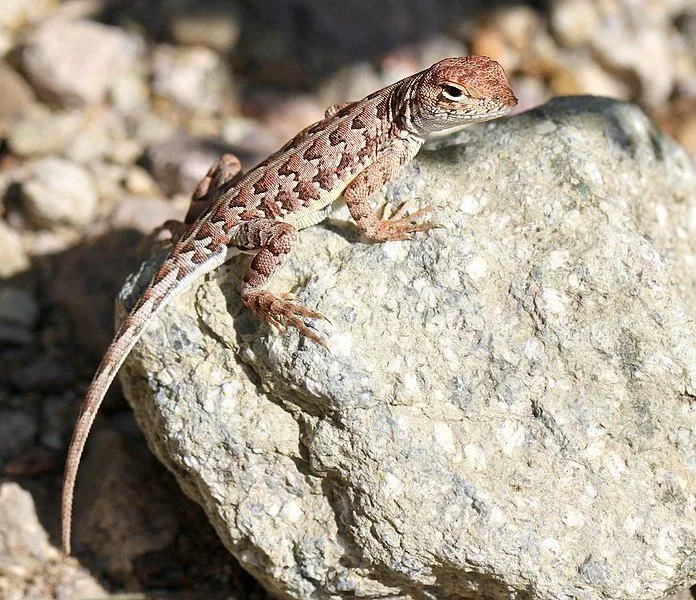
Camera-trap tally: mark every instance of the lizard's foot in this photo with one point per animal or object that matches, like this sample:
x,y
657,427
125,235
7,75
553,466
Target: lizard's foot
x,y
282,312
401,226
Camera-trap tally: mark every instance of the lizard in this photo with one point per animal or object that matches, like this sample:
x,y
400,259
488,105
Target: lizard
x,y
352,152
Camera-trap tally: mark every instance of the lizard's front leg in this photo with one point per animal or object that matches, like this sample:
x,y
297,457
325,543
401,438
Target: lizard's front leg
x,y
274,241
357,197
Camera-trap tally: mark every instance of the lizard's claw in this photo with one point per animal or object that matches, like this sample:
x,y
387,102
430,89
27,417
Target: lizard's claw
x,y
401,226
282,311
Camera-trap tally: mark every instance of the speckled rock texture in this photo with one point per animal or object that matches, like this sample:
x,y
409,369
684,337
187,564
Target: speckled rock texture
x,y
507,408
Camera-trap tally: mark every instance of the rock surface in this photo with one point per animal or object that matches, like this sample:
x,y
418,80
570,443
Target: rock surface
x,y
508,406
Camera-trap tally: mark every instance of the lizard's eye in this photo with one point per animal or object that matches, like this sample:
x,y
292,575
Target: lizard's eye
x,y
452,92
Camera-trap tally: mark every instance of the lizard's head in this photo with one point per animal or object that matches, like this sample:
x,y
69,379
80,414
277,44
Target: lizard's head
x,y
457,91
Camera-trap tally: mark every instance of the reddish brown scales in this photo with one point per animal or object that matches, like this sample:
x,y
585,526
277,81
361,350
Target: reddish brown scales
x,y
325,178
266,183
306,192
316,150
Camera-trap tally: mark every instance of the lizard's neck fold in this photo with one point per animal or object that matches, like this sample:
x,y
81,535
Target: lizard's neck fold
x,y
404,113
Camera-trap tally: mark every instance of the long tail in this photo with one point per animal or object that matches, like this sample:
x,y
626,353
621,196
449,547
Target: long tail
x,y
168,282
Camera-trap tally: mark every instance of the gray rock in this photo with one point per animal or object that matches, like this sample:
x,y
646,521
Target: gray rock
x,y
60,192
74,63
507,406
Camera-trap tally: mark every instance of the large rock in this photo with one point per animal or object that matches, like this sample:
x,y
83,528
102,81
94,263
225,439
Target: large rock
x,y
507,405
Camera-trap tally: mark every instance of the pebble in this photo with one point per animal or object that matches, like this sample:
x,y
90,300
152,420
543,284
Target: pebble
x,y
179,163
27,136
18,307
13,257
15,14
216,27
43,373
56,420
32,568
16,95
192,78
17,432
140,183
60,192
75,63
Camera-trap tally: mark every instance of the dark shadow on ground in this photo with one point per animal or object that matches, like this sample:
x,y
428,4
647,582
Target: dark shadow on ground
x,y
76,290
297,43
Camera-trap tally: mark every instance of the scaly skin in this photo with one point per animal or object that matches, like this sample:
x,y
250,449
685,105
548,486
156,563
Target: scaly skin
x,y
357,148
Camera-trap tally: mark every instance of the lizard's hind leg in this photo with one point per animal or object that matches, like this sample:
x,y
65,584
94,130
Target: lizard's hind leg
x,y
225,171
274,240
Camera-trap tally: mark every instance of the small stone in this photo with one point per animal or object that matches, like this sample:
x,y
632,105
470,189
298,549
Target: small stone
x,y
28,137
15,335
74,63
140,183
151,129
60,192
215,26
42,374
57,420
32,568
18,306
130,94
13,257
15,14
145,213
104,137
586,77
283,117
16,95
349,83
192,78
23,535
17,432
179,163
125,151
575,21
